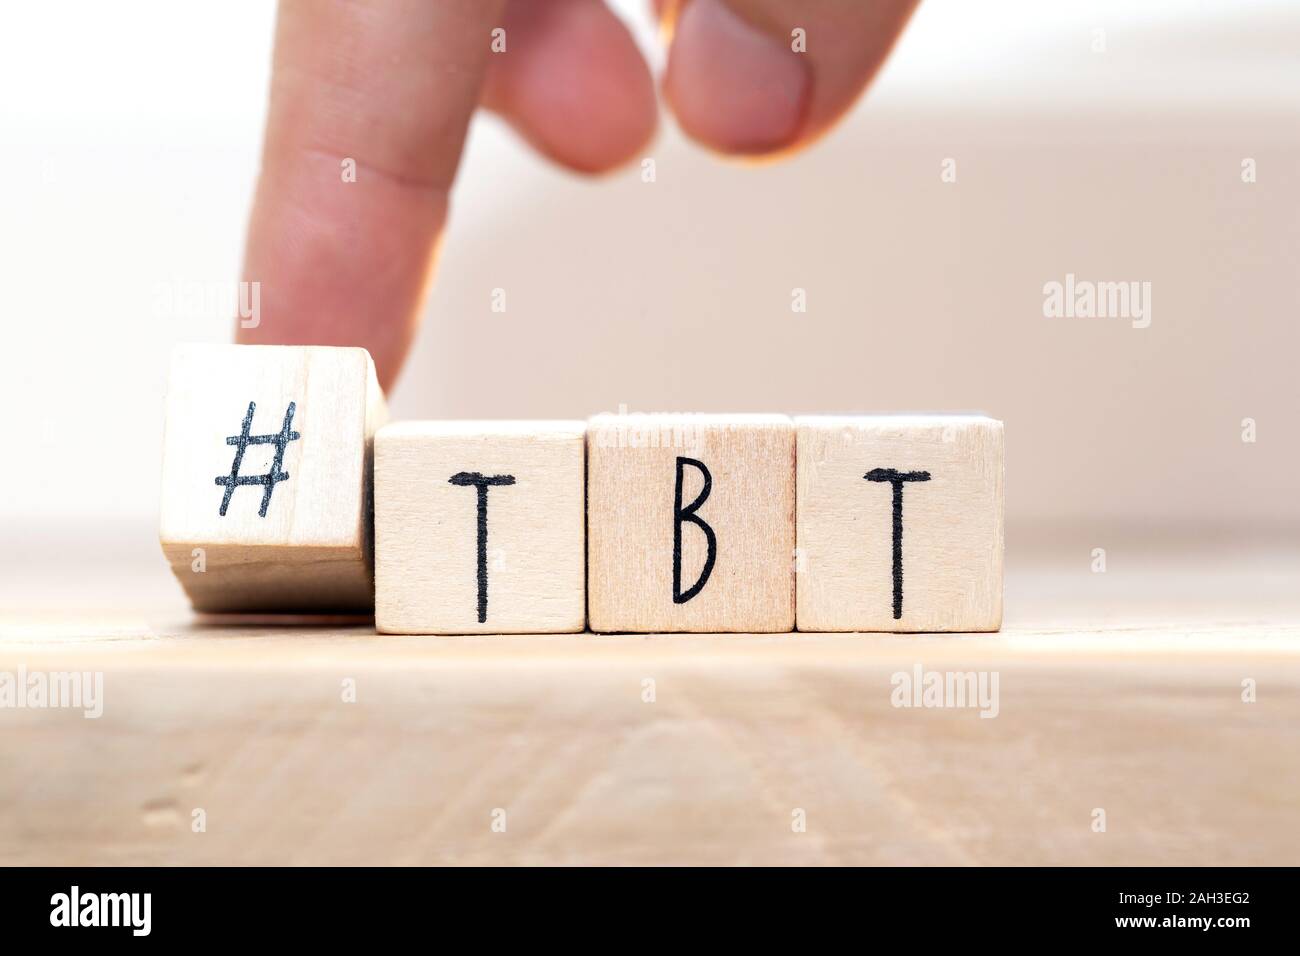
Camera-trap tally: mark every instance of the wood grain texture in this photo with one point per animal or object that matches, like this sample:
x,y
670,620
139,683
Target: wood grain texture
x,y
559,731
313,548
951,532
632,467
1121,691
426,527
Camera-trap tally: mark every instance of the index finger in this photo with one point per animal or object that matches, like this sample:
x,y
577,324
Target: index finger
x,y
370,102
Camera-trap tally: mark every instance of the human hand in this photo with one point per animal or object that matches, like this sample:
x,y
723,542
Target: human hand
x,y
391,86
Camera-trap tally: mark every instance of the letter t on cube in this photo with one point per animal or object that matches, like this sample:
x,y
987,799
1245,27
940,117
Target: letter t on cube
x,y
900,523
479,527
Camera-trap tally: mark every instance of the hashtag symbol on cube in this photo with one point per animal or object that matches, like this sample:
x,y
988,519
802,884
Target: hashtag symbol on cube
x,y
241,443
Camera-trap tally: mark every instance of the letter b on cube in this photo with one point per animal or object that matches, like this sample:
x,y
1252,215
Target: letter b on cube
x,y
690,523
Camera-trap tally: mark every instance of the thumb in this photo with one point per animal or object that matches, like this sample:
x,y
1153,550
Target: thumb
x,y
753,77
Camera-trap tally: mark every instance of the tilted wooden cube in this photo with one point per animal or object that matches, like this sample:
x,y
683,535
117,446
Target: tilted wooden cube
x,y
899,523
690,523
479,527
266,477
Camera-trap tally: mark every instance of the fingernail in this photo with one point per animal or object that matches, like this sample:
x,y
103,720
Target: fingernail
x,y
732,86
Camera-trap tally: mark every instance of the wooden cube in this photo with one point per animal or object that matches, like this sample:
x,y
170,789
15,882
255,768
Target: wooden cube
x,y
479,527
266,477
899,523
690,523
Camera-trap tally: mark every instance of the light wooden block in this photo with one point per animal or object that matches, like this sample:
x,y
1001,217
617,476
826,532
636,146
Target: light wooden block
x,y
479,527
645,568
899,523
280,521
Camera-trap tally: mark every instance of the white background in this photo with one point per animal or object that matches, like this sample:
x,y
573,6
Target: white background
x,y
129,142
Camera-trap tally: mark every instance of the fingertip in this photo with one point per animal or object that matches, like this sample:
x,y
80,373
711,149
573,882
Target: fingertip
x,y
732,86
572,82
343,264
369,107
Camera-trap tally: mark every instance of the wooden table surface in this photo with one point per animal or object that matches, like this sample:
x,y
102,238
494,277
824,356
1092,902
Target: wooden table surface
x,y
1119,692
